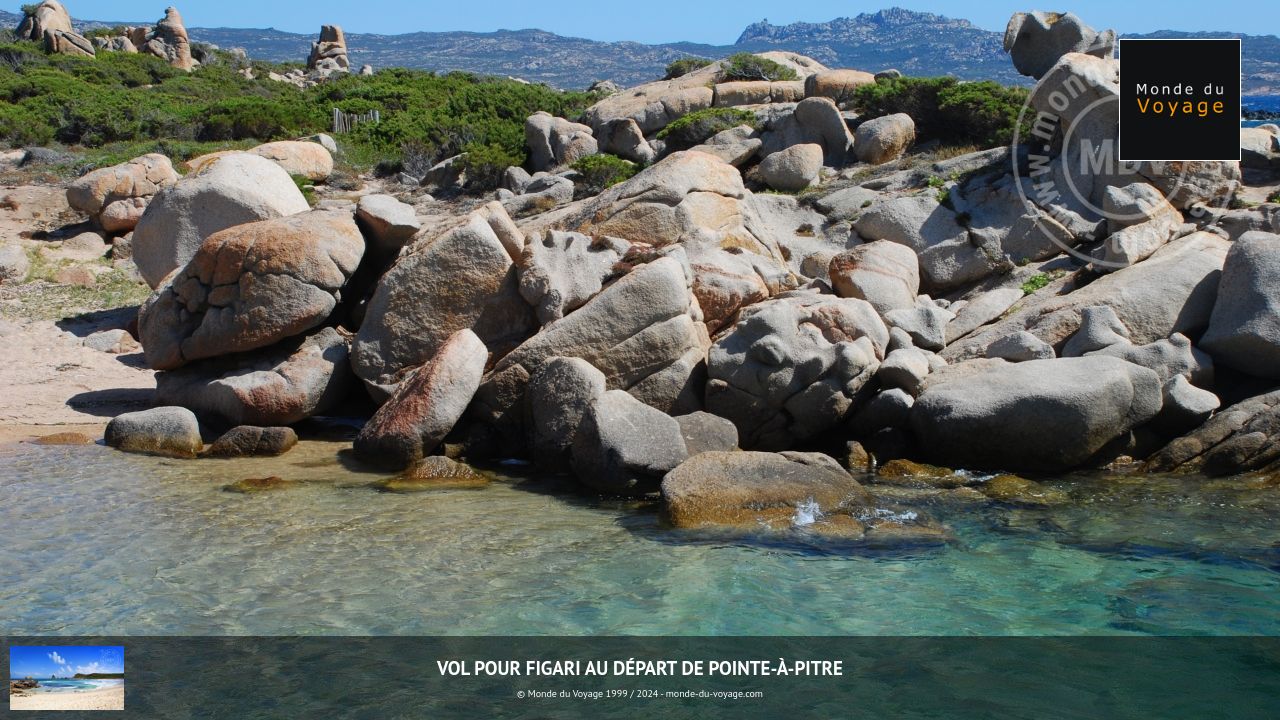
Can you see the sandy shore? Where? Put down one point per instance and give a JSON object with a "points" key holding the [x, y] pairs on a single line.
{"points": [[111, 698]]}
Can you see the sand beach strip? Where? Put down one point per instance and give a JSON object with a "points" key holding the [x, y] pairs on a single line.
{"points": [[110, 698]]}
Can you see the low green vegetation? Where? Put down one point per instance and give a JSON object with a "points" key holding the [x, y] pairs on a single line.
{"points": [[600, 172], [684, 66], [40, 297], [1036, 282], [306, 187], [948, 110], [118, 105], [699, 126], [1275, 197], [745, 66]]}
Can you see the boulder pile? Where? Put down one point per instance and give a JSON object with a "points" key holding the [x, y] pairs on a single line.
{"points": [[702, 333]]}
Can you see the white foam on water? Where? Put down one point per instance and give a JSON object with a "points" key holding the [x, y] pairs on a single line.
{"points": [[807, 513]]}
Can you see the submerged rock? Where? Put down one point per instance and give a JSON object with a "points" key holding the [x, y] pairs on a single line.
{"points": [[64, 438], [434, 472], [753, 488], [250, 486], [1020, 491], [166, 431], [249, 441]]}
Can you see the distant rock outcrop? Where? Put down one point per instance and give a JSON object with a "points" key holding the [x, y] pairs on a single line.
{"points": [[169, 41], [329, 53], [1036, 40], [48, 16]]}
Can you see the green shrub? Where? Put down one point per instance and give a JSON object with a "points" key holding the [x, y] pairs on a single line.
{"points": [[484, 164], [600, 172], [745, 66], [684, 66], [105, 32], [258, 118], [982, 113], [115, 102], [699, 126]]}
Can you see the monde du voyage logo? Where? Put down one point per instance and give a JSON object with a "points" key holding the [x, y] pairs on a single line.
{"points": [[1179, 100]]}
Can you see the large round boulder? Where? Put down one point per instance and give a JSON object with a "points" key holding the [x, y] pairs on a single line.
{"points": [[115, 197], [554, 141], [46, 16], [166, 431], [1036, 40], [232, 190], [838, 85], [251, 286], [883, 139], [1036, 416], [298, 158], [885, 274], [793, 169]]}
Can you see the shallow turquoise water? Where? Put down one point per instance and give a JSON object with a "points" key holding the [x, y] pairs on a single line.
{"points": [[100, 542]]}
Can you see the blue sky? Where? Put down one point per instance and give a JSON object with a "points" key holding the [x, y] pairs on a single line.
{"points": [[43, 662], [710, 21]]}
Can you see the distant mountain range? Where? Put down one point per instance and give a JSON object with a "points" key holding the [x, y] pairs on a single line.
{"points": [[913, 42]]}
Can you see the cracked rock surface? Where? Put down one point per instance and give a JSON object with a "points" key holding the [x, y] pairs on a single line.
{"points": [[251, 286]]}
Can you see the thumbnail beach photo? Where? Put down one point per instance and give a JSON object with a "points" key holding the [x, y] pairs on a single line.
{"points": [[85, 677]]}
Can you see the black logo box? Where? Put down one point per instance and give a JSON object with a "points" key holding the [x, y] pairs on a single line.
{"points": [[1187, 64]]}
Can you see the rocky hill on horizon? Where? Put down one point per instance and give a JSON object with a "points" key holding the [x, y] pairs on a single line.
{"points": [[914, 42]]}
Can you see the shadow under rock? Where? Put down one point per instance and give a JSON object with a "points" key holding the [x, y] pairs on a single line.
{"points": [[121, 318], [109, 403]]}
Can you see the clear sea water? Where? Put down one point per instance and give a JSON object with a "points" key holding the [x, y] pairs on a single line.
{"points": [[1260, 102], [101, 542], [62, 686]]}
